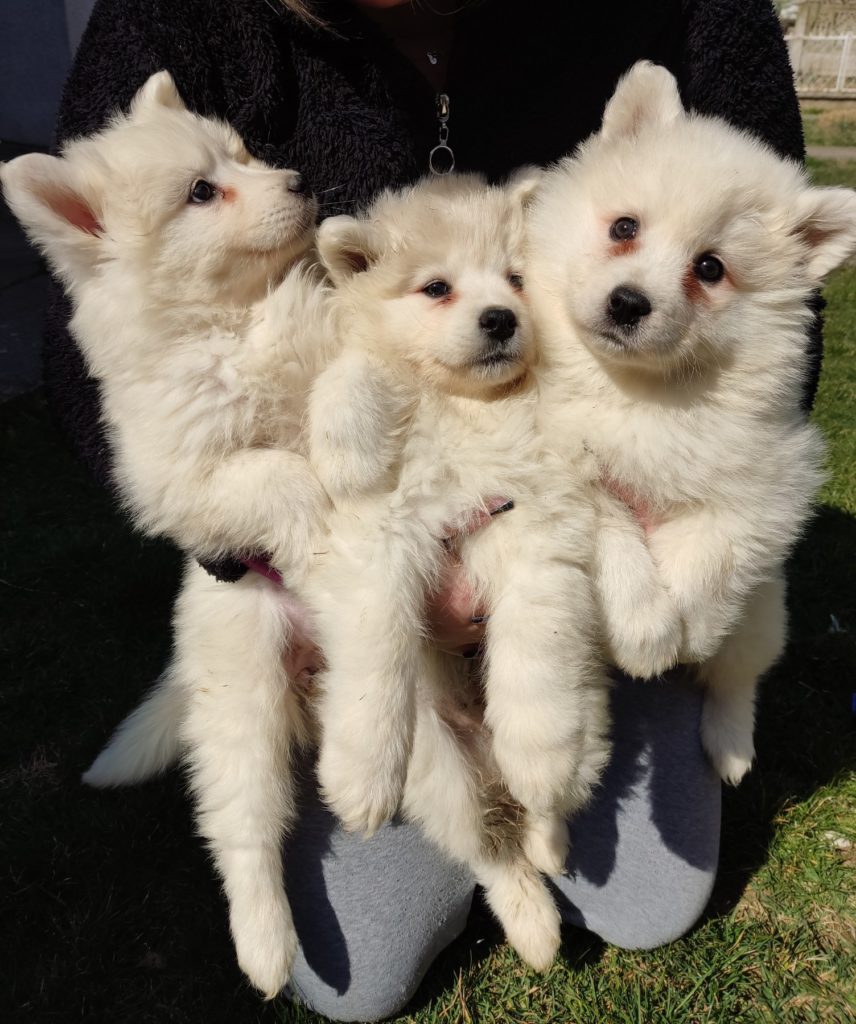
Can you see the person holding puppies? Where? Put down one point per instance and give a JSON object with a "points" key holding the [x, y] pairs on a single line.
{"points": [[360, 96]]}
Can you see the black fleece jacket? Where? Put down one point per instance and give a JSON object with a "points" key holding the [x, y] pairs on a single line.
{"points": [[527, 82]]}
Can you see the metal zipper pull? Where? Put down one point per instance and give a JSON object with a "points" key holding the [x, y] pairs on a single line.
{"points": [[441, 159]]}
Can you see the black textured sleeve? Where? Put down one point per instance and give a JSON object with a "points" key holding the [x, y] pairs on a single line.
{"points": [[734, 64]]}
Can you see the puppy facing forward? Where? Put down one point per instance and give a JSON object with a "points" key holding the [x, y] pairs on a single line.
{"points": [[437, 342], [673, 257], [180, 253]]}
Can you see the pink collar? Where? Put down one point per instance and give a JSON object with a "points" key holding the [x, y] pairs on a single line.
{"points": [[263, 567]]}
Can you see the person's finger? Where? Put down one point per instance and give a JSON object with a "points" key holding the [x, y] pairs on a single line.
{"points": [[302, 658], [455, 619]]}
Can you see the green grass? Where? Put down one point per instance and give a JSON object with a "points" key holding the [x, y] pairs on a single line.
{"points": [[834, 126], [112, 911], [836, 407], [832, 172]]}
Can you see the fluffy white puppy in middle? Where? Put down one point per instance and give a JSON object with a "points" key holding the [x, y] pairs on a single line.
{"points": [[434, 320]]}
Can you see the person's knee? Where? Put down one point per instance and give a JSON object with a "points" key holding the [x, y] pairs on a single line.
{"points": [[372, 999], [354, 1009], [380, 968], [660, 916]]}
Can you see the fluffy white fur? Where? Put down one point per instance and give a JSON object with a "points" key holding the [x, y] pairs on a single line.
{"points": [[203, 331], [466, 427], [692, 412]]}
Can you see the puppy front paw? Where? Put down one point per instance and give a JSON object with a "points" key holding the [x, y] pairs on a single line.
{"points": [[727, 737], [706, 625], [648, 641], [363, 792], [265, 942]]}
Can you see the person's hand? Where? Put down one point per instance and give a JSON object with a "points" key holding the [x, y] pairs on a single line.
{"points": [[302, 657], [455, 621]]}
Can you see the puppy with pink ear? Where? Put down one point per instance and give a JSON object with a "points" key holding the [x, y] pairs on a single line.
{"points": [[203, 326], [672, 259], [169, 236], [59, 207]]}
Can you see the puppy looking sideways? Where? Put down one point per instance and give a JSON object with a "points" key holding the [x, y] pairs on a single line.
{"points": [[181, 253], [671, 260]]}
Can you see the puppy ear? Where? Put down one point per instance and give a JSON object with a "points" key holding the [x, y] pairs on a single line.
{"points": [[347, 246], [57, 210], [646, 97], [159, 91], [524, 182], [826, 222]]}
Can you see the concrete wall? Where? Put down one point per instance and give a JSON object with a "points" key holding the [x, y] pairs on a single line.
{"points": [[37, 40]]}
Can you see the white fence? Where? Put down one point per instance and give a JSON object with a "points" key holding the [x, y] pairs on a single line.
{"points": [[823, 65]]}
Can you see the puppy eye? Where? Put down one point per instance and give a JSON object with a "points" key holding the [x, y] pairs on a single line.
{"points": [[708, 268], [623, 229], [516, 282], [437, 289], [201, 192]]}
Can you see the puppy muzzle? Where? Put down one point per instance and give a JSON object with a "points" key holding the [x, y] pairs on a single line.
{"points": [[626, 307]]}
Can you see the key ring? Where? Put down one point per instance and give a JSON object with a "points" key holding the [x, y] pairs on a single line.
{"points": [[433, 156]]}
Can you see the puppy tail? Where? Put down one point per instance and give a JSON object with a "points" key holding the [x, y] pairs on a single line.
{"points": [[146, 743]]}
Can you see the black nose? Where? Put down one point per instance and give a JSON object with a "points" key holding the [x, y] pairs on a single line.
{"points": [[498, 323], [626, 306], [299, 185]]}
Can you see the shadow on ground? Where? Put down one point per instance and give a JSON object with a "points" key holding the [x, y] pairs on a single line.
{"points": [[805, 722]]}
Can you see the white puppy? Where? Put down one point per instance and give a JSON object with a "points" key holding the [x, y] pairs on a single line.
{"points": [[671, 260], [176, 247], [436, 331]]}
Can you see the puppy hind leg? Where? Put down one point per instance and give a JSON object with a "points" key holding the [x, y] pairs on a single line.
{"points": [[371, 637], [517, 895], [731, 678], [545, 689], [444, 789], [445, 793], [240, 724], [546, 840], [546, 843]]}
